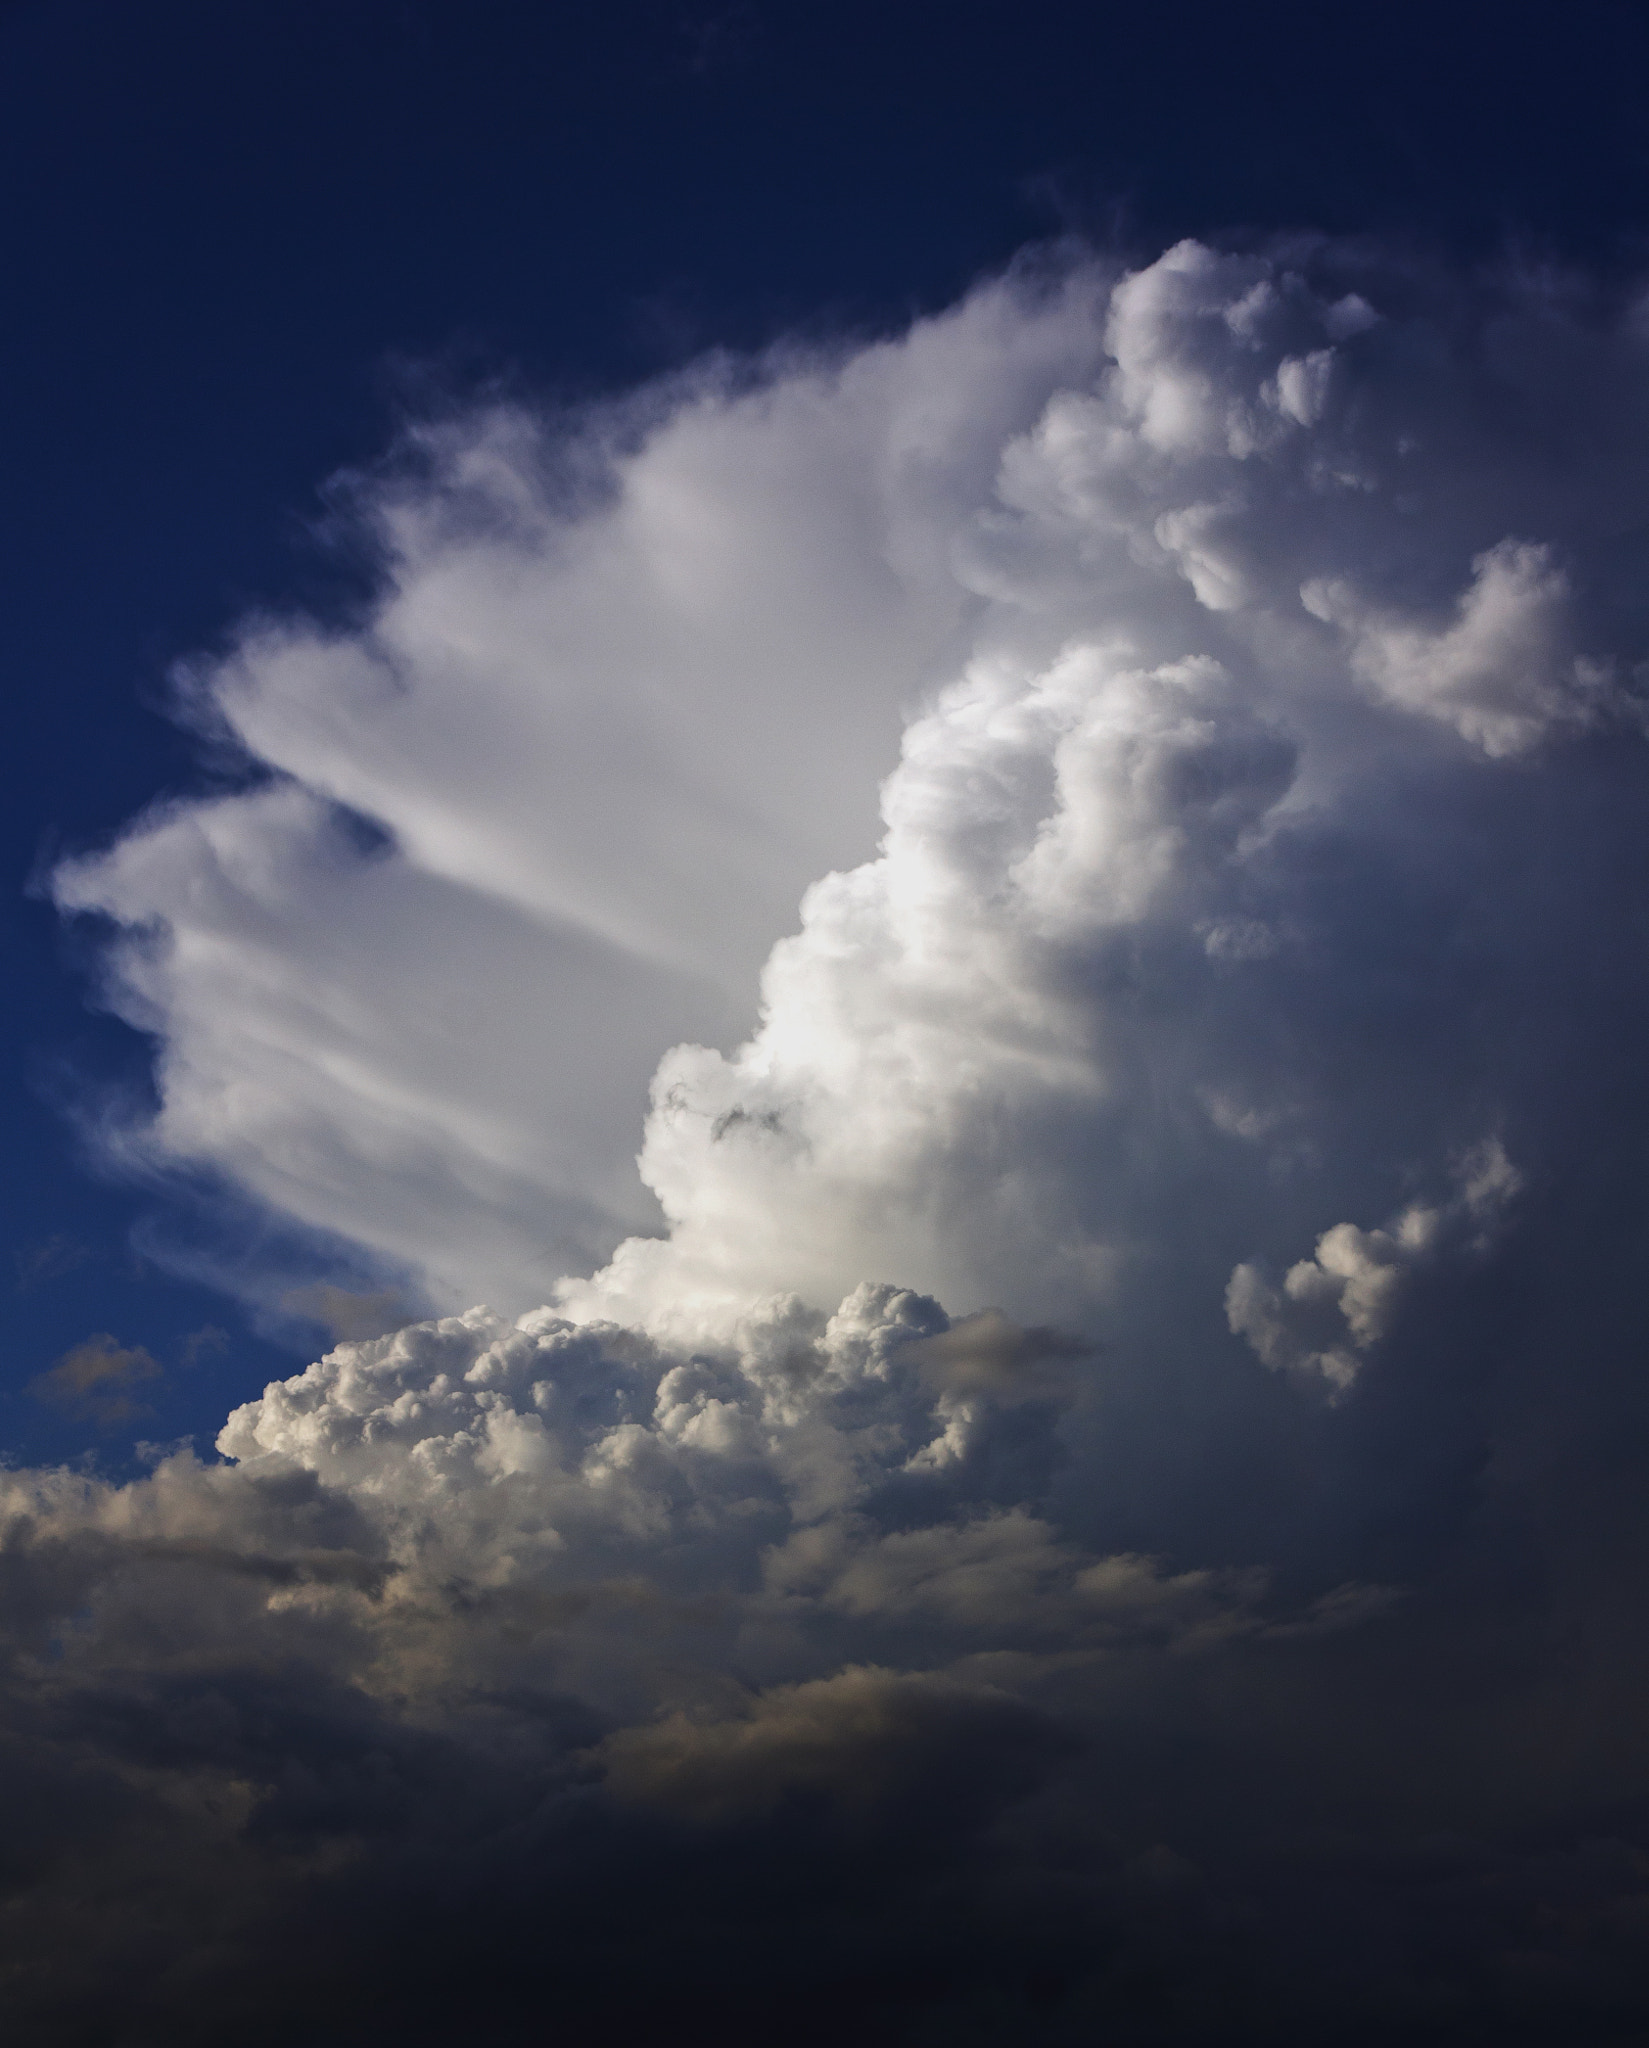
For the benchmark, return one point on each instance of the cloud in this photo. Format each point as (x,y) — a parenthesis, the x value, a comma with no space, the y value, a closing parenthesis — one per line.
(47,1259)
(347,1313)
(95,1380)
(477,1574)
(1109,901)
(1362,1274)
(922,1571)
(209,1341)
(630,684)
(1173,582)
(852,1742)
(1499,672)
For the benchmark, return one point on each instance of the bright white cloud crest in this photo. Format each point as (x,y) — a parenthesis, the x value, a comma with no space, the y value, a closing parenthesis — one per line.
(1250,652)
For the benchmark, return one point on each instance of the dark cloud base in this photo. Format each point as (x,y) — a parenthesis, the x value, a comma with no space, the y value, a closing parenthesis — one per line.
(989,1882)
(1432,1825)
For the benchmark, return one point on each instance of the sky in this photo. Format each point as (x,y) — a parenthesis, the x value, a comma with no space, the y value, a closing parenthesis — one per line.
(826,848)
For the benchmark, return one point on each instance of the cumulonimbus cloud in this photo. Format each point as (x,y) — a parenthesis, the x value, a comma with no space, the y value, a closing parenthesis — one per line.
(1120,1426)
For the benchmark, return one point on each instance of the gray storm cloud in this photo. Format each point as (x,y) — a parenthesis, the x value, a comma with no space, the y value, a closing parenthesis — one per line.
(1110,1405)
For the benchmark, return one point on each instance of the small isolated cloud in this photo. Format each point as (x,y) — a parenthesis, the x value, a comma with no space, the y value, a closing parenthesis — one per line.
(346,1313)
(98,1380)
(208,1342)
(852,1746)
(48,1258)
(1334,1308)
(1502,671)
(988,1353)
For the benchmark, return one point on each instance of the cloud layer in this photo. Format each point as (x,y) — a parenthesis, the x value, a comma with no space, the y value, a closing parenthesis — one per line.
(1105,1496)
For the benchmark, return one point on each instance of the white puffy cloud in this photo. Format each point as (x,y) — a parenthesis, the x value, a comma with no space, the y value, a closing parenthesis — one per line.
(809,1467)
(1499,671)
(1108,909)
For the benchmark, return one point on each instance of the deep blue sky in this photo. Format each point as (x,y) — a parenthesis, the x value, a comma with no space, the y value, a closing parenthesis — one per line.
(232,236)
